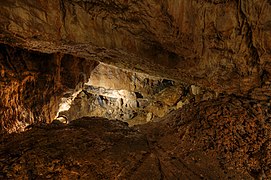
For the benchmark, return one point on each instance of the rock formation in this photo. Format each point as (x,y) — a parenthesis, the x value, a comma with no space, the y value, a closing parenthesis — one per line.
(226,138)
(224,45)
(196,71)
(32,84)
(133,97)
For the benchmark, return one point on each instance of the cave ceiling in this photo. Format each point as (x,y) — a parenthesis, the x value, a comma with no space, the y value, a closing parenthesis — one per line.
(222,45)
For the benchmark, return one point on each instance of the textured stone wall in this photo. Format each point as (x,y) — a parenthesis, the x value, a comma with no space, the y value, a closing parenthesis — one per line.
(224,45)
(32,84)
(135,98)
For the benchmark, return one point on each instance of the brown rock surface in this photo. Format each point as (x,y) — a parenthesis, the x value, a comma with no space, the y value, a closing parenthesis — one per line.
(114,93)
(32,84)
(216,139)
(220,50)
(224,45)
(135,98)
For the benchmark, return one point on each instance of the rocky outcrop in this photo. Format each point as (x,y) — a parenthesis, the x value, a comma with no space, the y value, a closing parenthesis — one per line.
(33,83)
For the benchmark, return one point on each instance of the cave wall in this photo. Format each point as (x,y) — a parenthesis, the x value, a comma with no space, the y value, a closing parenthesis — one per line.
(49,47)
(223,45)
(135,98)
(32,84)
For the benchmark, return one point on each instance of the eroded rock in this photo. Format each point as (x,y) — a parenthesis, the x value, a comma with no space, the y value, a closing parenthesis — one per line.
(33,83)
(133,97)
(215,139)
(222,45)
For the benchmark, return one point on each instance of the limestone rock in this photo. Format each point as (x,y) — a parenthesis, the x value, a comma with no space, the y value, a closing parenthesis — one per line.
(185,144)
(180,104)
(115,93)
(149,117)
(222,45)
(195,90)
(210,60)
(32,85)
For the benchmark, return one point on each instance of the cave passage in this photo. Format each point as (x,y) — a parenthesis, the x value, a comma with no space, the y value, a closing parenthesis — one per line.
(119,94)
(135,89)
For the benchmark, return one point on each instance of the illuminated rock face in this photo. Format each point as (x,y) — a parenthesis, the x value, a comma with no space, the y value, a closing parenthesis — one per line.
(38,87)
(32,84)
(136,98)
(114,93)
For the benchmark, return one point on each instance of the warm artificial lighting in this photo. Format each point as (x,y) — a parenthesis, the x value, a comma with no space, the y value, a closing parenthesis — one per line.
(65,104)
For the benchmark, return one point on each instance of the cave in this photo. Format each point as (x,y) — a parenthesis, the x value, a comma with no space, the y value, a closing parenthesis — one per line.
(135,89)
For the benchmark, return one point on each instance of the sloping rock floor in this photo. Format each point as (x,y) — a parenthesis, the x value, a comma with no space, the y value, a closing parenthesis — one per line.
(226,138)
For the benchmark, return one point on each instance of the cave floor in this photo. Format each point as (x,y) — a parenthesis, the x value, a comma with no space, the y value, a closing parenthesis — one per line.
(215,139)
